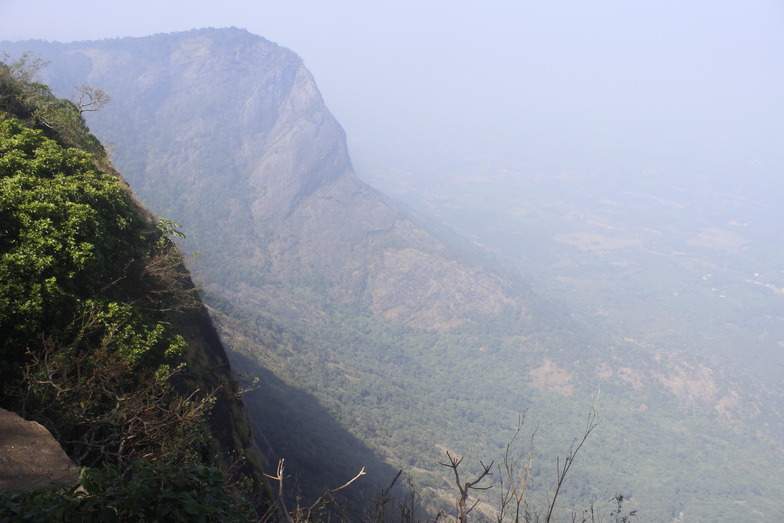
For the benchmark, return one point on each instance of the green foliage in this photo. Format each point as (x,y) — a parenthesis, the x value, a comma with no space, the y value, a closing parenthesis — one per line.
(95,304)
(162,491)
(35,104)
(124,329)
(85,291)
(70,240)
(170,228)
(66,230)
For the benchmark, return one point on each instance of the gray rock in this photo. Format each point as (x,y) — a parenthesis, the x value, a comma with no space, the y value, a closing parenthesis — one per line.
(30,457)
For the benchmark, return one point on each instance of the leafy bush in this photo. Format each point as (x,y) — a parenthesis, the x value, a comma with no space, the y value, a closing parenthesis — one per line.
(95,369)
(163,491)
(66,230)
(103,409)
(92,296)
(38,108)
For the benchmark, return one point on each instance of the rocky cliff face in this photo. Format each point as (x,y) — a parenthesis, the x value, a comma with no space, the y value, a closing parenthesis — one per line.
(227,133)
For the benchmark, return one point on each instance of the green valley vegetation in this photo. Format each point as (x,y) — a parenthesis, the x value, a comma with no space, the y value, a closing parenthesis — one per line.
(97,314)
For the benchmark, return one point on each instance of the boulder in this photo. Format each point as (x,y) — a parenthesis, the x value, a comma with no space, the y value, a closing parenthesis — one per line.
(30,457)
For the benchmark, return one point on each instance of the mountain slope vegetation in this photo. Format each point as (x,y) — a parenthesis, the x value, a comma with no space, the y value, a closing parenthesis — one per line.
(377,343)
(105,341)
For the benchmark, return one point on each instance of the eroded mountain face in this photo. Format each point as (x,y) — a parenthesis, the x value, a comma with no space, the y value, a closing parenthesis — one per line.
(227,133)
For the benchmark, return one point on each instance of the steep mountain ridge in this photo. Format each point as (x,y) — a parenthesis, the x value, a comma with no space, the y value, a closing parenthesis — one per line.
(278,162)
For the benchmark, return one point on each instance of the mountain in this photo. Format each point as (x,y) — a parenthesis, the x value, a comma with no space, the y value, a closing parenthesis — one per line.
(377,343)
(286,192)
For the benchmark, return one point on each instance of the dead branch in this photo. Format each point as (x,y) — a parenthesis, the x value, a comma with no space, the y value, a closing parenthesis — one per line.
(91,99)
(329,495)
(281,498)
(514,480)
(465,488)
(384,498)
(563,469)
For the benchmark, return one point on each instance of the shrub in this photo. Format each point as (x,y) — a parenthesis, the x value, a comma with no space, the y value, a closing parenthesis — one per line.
(162,491)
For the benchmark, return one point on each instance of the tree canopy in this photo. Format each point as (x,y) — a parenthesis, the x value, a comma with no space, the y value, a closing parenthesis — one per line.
(66,231)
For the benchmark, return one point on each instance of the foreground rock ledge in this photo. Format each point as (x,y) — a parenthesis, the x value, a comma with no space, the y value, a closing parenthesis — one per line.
(30,457)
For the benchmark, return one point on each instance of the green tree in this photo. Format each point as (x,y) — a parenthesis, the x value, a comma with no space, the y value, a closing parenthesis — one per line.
(66,231)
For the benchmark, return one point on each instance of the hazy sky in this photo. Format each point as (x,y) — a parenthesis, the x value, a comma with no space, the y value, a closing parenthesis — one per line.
(603,81)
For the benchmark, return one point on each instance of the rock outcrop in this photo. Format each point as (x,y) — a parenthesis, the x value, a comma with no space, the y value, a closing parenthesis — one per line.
(30,457)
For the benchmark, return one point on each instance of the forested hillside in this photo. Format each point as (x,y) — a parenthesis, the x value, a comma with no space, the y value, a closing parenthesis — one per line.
(105,341)
(377,343)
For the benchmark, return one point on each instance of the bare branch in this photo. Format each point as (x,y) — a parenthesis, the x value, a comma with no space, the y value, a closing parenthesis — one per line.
(91,99)
(513,477)
(281,498)
(384,498)
(562,470)
(465,488)
(328,495)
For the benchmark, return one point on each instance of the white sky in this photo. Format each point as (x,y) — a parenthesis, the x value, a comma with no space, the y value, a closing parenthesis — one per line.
(599,81)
